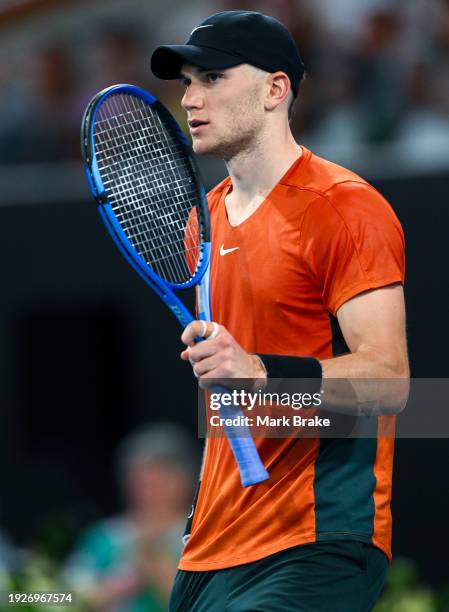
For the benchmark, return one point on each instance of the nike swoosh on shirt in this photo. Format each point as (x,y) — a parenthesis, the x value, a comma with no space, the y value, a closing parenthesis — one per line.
(224,251)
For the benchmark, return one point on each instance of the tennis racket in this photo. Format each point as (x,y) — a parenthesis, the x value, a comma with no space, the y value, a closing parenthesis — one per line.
(142,175)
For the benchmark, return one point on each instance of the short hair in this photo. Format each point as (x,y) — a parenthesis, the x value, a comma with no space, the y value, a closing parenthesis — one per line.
(293,99)
(291,104)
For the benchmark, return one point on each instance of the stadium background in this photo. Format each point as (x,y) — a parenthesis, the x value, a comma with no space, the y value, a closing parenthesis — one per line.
(87,353)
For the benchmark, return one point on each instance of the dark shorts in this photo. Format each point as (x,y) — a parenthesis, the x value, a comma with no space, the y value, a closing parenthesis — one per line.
(341,576)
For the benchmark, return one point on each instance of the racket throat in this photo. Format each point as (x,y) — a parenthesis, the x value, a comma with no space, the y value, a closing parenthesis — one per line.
(203,299)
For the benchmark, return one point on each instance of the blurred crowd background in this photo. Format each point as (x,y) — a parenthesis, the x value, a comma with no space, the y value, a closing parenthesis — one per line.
(99,465)
(378,73)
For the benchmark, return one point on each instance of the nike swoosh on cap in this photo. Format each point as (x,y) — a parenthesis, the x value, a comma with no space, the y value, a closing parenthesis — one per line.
(224,251)
(210,25)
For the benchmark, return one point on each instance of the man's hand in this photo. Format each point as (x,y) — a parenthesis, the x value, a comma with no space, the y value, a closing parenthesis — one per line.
(221,357)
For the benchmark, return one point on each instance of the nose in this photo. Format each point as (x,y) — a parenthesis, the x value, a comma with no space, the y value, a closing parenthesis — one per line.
(192,98)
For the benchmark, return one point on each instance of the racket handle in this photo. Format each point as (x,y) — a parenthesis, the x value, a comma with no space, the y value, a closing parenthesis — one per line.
(251,468)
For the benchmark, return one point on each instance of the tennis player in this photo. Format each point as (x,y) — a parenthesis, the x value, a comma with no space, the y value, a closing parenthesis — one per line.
(306,282)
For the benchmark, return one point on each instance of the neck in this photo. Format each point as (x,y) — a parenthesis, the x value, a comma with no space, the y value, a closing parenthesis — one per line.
(255,171)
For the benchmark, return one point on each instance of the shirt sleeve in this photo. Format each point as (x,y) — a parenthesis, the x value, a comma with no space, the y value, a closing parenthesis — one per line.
(352,242)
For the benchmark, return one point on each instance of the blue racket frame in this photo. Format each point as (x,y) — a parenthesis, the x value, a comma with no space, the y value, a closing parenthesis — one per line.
(251,468)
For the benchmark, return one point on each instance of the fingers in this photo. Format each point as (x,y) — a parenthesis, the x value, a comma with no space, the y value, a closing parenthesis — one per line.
(220,357)
(199,351)
(195,329)
(199,329)
(202,355)
(212,330)
(201,367)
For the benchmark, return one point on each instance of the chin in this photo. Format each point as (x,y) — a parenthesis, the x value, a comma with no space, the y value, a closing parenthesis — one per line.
(202,148)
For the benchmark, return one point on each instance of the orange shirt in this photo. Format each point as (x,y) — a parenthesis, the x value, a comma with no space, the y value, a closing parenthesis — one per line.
(322,236)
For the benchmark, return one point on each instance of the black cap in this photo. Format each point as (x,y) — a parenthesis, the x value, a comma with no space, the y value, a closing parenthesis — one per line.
(231,38)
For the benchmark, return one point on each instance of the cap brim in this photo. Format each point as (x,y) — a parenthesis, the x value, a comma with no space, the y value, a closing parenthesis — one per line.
(167,61)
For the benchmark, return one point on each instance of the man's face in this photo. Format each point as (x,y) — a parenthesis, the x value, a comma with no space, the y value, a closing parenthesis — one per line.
(224,108)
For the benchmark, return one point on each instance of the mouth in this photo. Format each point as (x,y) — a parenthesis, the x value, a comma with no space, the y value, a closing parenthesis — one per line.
(195,125)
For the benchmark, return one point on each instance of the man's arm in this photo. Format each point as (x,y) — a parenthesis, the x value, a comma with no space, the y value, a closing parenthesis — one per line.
(376,371)
(373,326)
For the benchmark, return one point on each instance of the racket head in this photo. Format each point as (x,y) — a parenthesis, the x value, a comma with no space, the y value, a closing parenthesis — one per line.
(142,173)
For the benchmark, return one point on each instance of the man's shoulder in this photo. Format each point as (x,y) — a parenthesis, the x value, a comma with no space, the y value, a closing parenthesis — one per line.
(339,197)
(332,185)
(322,176)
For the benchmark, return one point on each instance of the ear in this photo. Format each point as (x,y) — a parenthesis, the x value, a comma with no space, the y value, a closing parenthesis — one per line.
(278,90)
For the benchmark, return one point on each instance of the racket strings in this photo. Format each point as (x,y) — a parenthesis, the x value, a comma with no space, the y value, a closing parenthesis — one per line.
(173,271)
(175,185)
(150,184)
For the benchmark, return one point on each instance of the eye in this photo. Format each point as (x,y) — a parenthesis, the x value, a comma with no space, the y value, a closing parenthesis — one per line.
(213,77)
(186,82)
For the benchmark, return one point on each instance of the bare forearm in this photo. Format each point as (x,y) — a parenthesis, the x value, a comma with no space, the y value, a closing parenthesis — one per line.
(366,363)
(366,382)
